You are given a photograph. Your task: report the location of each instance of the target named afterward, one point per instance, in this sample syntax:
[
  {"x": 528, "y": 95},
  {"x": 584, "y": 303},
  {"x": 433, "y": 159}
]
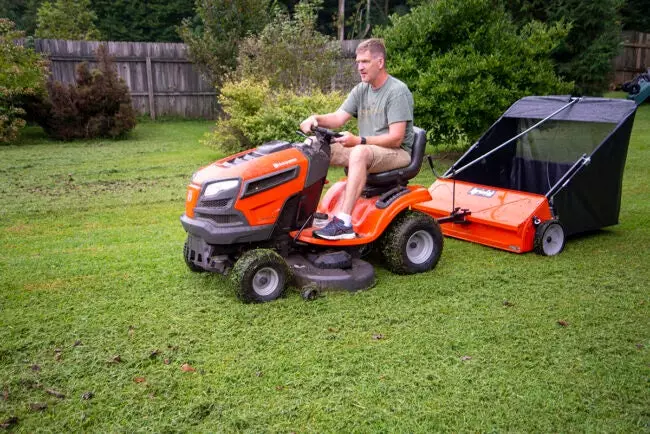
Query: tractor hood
[{"x": 249, "y": 165}]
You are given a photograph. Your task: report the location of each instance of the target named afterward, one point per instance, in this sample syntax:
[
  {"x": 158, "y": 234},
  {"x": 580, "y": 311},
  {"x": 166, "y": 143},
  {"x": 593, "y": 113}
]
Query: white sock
[{"x": 346, "y": 218}]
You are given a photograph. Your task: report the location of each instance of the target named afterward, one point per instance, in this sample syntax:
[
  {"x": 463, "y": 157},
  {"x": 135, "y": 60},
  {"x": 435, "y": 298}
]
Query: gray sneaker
[{"x": 335, "y": 230}]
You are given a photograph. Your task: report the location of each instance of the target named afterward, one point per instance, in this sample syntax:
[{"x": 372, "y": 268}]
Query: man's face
[{"x": 368, "y": 66}]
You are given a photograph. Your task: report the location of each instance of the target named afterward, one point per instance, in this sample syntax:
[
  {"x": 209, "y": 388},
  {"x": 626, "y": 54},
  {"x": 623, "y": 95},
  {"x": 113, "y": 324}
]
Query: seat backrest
[{"x": 402, "y": 175}]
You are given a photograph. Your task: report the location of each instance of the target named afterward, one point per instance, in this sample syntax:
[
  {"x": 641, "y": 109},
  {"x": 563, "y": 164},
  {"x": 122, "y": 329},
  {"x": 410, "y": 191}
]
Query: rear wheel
[
  {"x": 259, "y": 275},
  {"x": 549, "y": 238},
  {"x": 412, "y": 244}
]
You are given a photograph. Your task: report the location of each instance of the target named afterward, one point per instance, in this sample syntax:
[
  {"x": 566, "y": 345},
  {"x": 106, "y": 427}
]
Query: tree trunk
[{"x": 341, "y": 20}]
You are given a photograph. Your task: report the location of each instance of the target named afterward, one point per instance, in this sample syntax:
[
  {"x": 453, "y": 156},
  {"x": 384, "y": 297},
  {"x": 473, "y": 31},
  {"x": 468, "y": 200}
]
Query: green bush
[
  {"x": 465, "y": 63},
  {"x": 97, "y": 105},
  {"x": 23, "y": 73},
  {"x": 290, "y": 52},
  {"x": 255, "y": 113}
]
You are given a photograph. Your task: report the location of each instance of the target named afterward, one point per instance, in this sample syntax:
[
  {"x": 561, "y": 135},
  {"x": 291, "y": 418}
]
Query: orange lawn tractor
[{"x": 251, "y": 215}]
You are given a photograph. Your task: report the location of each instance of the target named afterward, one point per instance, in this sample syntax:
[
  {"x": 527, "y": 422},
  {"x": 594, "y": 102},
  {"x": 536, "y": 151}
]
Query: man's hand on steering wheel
[
  {"x": 348, "y": 139},
  {"x": 307, "y": 125}
]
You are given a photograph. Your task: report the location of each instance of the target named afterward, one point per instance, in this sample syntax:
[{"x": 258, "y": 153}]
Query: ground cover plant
[{"x": 103, "y": 328}]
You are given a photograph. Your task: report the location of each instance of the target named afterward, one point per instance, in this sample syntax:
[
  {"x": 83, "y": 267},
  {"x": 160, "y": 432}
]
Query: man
[{"x": 383, "y": 106}]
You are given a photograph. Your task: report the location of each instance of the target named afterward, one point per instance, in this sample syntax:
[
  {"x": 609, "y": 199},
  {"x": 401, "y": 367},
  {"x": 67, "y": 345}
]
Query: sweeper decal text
[{"x": 483, "y": 192}]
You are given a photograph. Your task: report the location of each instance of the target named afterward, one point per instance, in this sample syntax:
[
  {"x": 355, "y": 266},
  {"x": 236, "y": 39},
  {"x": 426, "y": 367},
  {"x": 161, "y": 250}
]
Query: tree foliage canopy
[
  {"x": 290, "y": 52},
  {"x": 585, "y": 55},
  {"x": 214, "y": 37},
  {"x": 67, "y": 19}
]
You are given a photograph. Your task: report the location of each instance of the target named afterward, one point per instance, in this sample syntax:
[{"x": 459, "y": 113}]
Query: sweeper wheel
[
  {"x": 549, "y": 238},
  {"x": 412, "y": 244},
  {"x": 259, "y": 275}
]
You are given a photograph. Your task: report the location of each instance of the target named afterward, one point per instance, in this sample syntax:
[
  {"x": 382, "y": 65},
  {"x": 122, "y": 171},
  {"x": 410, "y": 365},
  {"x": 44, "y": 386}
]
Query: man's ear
[{"x": 382, "y": 61}]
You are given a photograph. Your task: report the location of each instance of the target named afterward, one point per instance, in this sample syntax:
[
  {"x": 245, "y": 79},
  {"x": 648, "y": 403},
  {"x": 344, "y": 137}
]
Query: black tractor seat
[{"x": 382, "y": 182}]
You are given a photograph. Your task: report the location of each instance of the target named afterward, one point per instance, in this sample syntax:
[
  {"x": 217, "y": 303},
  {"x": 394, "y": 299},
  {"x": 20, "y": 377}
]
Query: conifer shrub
[{"x": 97, "y": 105}]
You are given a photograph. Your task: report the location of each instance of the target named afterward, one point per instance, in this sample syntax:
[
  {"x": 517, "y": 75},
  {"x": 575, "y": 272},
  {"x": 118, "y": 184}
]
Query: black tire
[
  {"x": 549, "y": 238},
  {"x": 412, "y": 244},
  {"x": 259, "y": 275},
  {"x": 191, "y": 265}
]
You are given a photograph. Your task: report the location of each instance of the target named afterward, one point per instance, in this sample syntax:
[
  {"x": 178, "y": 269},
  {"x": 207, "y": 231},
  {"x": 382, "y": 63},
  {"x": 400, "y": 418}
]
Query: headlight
[{"x": 217, "y": 187}]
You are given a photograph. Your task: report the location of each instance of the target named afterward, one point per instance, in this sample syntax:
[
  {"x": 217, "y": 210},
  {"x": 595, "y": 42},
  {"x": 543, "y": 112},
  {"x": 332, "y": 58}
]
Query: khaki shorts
[{"x": 383, "y": 159}]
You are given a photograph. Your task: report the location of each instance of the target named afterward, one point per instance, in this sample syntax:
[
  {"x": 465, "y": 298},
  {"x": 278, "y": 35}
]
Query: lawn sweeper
[{"x": 550, "y": 167}]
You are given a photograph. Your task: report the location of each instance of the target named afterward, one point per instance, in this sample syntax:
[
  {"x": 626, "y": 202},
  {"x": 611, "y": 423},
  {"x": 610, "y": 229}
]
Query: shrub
[
  {"x": 465, "y": 63},
  {"x": 98, "y": 105},
  {"x": 290, "y": 52},
  {"x": 23, "y": 73},
  {"x": 255, "y": 113}
]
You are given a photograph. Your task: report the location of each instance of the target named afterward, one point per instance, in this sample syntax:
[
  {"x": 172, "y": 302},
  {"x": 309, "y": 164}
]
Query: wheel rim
[
  {"x": 553, "y": 240},
  {"x": 265, "y": 281},
  {"x": 419, "y": 247}
]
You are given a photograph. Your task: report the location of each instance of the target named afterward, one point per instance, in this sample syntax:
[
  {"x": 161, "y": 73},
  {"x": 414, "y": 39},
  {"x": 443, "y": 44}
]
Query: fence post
[{"x": 152, "y": 111}]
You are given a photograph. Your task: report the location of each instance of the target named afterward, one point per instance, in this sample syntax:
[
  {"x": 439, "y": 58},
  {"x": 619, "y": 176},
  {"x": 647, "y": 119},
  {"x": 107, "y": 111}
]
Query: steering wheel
[{"x": 326, "y": 133}]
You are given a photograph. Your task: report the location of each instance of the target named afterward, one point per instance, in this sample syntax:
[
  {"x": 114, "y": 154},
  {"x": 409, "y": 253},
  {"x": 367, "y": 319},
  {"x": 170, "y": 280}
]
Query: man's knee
[{"x": 360, "y": 154}]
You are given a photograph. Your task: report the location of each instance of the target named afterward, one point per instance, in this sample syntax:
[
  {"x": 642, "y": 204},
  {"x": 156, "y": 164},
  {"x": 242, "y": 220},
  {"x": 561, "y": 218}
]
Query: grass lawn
[{"x": 99, "y": 315}]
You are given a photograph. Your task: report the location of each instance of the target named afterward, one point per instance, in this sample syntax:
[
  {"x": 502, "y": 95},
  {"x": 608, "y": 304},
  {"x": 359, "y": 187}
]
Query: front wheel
[
  {"x": 259, "y": 275},
  {"x": 412, "y": 244},
  {"x": 549, "y": 238}
]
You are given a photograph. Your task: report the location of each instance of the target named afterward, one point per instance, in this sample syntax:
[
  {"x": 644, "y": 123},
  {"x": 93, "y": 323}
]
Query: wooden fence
[
  {"x": 160, "y": 77},
  {"x": 634, "y": 58}
]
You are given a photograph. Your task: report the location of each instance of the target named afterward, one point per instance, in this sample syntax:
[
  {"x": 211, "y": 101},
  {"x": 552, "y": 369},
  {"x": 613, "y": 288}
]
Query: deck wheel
[{"x": 549, "y": 238}]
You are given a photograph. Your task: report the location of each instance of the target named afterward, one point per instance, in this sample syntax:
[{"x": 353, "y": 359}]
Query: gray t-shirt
[{"x": 376, "y": 109}]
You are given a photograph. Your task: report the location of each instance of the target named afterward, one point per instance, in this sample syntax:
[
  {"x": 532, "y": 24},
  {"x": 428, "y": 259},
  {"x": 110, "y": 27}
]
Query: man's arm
[
  {"x": 393, "y": 139},
  {"x": 330, "y": 120}
]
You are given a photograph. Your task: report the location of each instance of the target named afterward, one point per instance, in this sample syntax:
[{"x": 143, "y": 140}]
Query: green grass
[{"x": 91, "y": 268}]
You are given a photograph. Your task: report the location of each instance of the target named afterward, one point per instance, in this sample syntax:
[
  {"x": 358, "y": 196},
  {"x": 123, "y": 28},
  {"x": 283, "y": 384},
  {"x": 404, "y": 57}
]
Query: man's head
[{"x": 371, "y": 58}]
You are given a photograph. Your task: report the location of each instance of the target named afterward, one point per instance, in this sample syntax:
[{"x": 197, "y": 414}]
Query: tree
[
  {"x": 465, "y": 62},
  {"x": 635, "y": 15},
  {"x": 67, "y": 19},
  {"x": 214, "y": 36},
  {"x": 152, "y": 20},
  {"x": 585, "y": 56},
  {"x": 23, "y": 73},
  {"x": 290, "y": 52},
  {"x": 22, "y": 13}
]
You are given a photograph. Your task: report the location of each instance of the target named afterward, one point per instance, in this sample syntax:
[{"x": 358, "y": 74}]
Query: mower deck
[
  {"x": 353, "y": 276},
  {"x": 496, "y": 217}
]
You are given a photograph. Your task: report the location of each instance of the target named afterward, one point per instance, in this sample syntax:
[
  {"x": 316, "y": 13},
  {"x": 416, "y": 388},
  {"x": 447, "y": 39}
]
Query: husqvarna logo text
[{"x": 284, "y": 163}]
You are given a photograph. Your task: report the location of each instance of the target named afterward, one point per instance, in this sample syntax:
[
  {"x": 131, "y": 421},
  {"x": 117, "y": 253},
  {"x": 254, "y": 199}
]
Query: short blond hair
[{"x": 375, "y": 46}]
